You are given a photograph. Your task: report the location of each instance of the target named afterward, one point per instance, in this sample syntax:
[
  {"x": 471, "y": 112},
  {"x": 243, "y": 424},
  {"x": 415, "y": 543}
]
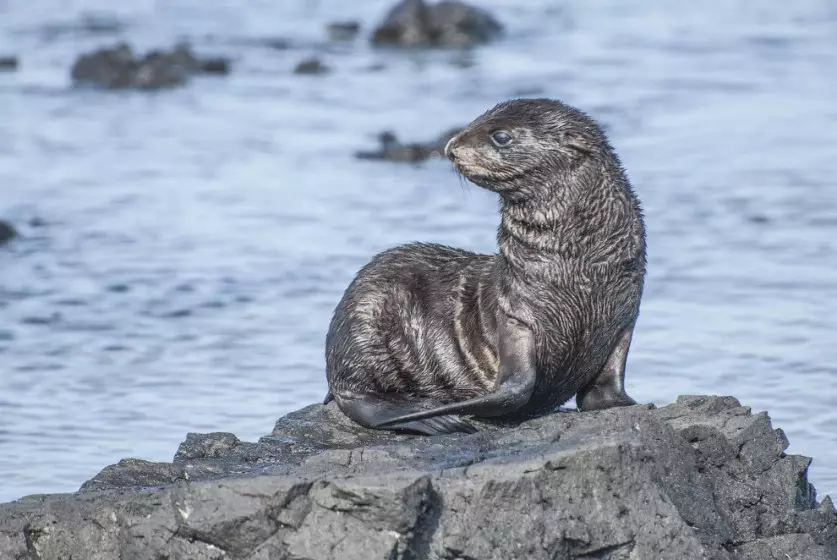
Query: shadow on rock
[
  {"x": 7, "y": 232},
  {"x": 450, "y": 23},
  {"x": 703, "y": 477},
  {"x": 392, "y": 150},
  {"x": 118, "y": 67}
]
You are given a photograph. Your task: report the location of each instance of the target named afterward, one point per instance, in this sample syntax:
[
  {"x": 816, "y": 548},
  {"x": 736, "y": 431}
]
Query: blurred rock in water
[
  {"x": 215, "y": 65},
  {"x": 393, "y": 150},
  {"x": 8, "y": 63},
  {"x": 449, "y": 23},
  {"x": 118, "y": 67},
  {"x": 343, "y": 30},
  {"x": 7, "y": 232},
  {"x": 311, "y": 65}
]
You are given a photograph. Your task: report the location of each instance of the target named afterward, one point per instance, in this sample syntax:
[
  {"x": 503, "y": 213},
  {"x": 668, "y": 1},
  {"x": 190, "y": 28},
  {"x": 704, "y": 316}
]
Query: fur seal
[{"x": 426, "y": 332}]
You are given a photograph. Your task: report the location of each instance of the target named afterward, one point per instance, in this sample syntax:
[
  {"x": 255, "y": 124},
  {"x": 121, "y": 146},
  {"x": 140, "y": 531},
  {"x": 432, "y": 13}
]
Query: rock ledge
[{"x": 700, "y": 478}]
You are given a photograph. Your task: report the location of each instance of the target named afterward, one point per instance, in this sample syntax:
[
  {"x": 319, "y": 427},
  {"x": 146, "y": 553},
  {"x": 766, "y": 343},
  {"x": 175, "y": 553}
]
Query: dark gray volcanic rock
[
  {"x": 701, "y": 478},
  {"x": 343, "y": 30},
  {"x": 449, "y": 23},
  {"x": 8, "y": 63},
  {"x": 118, "y": 67},
  {"x": 311, "y": 66},
  {"x": 7, "y": 232}
]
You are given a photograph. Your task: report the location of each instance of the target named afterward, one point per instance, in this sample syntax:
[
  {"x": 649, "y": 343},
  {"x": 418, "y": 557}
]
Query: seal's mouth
[
  {"x": 476, "y": 175},
  {"x": 461, "y": 162},
  {"x": 465, "y": 165},
  {"x": 467, "y": 171}
]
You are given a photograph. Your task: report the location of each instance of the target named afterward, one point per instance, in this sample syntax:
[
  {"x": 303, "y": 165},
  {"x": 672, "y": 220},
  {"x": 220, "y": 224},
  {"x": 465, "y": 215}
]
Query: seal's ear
[{"x": 575, "y": 141}]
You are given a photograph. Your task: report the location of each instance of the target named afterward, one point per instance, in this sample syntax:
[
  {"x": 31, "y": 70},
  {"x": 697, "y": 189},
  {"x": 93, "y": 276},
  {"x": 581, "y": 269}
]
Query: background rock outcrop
[
  {"x": 8, "y": 62},
  {"x": 391, "y": 149},
  {"x": 7, "y": 232},
  {"x": 700, "y": 478},
  {"x": 118, "y": 67},
  {"x": 449, "y": 23}
]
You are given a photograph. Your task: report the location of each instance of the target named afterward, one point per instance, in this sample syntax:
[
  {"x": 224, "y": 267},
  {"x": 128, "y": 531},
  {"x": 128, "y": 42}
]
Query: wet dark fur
[{"x": 419, "y": 322}]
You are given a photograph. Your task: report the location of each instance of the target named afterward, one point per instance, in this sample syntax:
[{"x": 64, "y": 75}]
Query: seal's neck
[{"x": 565, "y": 218}]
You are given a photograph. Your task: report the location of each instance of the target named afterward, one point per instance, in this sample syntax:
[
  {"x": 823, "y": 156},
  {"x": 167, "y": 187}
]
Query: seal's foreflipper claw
[{"x": 380, "y": 411}]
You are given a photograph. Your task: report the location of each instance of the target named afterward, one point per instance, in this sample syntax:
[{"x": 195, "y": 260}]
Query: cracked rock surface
[{"x": 700, "y": 478}]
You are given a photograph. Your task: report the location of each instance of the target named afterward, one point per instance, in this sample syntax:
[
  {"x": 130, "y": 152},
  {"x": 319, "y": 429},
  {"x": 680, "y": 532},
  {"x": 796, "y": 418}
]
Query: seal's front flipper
[
  {"x": 514, "y": 385},
  {"x": 329, "y": 397},
  {"x": 607, "y": 390},
  {"x": 380, "y": 410}
]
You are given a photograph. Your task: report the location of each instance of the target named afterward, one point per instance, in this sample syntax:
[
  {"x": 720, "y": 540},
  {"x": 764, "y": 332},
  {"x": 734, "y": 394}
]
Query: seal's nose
[{"x": 449, "y": 148}]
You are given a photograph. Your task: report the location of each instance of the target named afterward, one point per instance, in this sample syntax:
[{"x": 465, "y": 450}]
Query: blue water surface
[{"x": 182, "y": 251}]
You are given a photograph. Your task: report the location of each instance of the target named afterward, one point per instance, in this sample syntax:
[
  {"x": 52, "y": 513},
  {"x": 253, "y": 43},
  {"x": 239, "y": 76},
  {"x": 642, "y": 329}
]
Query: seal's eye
[{"x": 501, "y": 138}]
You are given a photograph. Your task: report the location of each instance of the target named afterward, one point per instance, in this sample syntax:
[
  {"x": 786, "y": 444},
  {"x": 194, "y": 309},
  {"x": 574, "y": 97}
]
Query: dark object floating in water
[
  {"x": 343, "y": 30},
  {"x": 215, "y": 65},
  {"x": 276, "y": 43},
  {"x": 7, "y": 232},
  {"x": 450, "y": 23},
  {"x": 393, "y": 150},
  {"x": 8, "y": 63},
  {"x": 117, "y": 67},
  {"x": 703, "y": 477},
  {"x": 87, "y": 24},
  {"x": 311, "y": 66}
]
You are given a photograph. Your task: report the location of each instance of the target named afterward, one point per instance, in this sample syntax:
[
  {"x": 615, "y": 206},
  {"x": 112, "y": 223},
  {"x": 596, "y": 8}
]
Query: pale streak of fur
[
  {"x": 461, "y": 337},
  {"x": 490, "y": 357}
]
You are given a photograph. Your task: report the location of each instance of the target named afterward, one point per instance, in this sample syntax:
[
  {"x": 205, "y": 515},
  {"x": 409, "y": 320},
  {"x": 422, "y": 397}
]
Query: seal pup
[{"x": 426, "y": 332}]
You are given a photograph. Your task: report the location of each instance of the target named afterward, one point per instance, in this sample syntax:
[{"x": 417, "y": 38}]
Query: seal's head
[{"x": 517, "y": 146}]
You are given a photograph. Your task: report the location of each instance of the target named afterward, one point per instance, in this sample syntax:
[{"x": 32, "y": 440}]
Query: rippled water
[{"x": 189, "y": 246}]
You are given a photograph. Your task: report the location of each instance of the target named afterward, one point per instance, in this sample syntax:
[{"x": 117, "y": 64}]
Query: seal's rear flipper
[
  {"x": 435, "y": 426},
  {"x": 504, "y": 400},
  {"x": 374, "y": 409}
]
